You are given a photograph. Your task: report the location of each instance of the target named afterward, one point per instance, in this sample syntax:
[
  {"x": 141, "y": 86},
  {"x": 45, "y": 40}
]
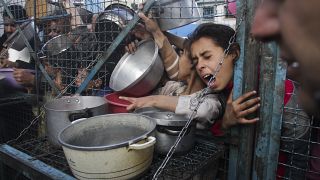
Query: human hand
[
  {"x": 236, "y": 111},
  {"x": 131, "y": 47},
  {"x": 136, "y": 103},
  {"x": 5, "y": 63},
  {"x": 151, "y": 24},
  {"x": 24, "y": 76},
  {"x": 140, "y": 32}
]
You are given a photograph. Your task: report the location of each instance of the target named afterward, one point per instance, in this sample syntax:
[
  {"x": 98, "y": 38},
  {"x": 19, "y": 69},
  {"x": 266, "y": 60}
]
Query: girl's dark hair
[{"x": 220, "y": 34}]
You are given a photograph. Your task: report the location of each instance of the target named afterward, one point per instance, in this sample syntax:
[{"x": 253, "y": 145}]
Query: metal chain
[{"x": 200, "y": 100}]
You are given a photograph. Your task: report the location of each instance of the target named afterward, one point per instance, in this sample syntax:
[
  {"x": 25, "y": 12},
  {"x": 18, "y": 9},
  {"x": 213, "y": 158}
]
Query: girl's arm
[{"x": 165, "y": 102}]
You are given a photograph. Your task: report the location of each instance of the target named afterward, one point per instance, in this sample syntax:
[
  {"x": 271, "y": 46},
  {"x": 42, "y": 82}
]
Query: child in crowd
[{"x": 212, "y": 38}]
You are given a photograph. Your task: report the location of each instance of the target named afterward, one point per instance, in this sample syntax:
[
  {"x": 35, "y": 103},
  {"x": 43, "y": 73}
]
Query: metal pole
[
  {"x": 273, "y": 72},
  {"x": 245, "y": 80}
]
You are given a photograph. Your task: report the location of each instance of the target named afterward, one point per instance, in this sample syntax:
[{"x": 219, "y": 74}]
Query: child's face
[{"x": 207, "y": 55}]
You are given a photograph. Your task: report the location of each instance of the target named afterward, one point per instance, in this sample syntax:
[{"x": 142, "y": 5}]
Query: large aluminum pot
[
  {"x": 169, "y": 125},
  {"x": 112, "y": 146},
  {"x": 61, "y": 112},
  {"x": 137, "y": 74},
  {"x": 176, "y": 13}
]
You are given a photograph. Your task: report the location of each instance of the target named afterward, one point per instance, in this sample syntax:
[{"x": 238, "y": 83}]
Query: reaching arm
[
  {"x": 158, "y": 101},
  {"x": 169, "y": 56}
]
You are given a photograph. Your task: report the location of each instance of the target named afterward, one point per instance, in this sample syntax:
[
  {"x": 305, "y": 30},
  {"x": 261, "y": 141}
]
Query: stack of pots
[{"x": 62, "y": 112}]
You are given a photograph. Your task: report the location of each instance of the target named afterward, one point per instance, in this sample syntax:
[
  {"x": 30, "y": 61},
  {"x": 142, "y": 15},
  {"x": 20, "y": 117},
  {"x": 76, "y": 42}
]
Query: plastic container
[{"x": 116, "y": 105}]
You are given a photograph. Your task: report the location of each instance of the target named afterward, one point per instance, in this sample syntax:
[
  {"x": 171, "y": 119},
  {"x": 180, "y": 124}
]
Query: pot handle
[
  {"x": 171, "y": 132},
  {"x": 75, "y": 116},
  {"x": 77, "y": 120},
  {"x": 150, "y": 142}
]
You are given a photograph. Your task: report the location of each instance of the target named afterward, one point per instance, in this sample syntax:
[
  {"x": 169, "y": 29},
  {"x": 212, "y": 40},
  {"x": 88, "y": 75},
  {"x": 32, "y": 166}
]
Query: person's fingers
[
  {"x": 127, "y": 49},
  {"x": 130, "y": 107},
  {"x": 143, "y": 17},
  {"x": 248, "y": 121},
  {"x": 134, "y": 47},
  {"x": 245, "y": 96},
  {"x": 127, "y": 99},
  {"x": 249, "y": 103},
  {"x": 248, "y": 111}
]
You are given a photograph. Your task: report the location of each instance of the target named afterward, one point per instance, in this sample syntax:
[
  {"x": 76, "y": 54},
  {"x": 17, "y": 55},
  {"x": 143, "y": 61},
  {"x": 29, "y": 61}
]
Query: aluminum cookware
[
  {"x": 139, "y": 73},
  {"x": 61, "y": 112},
  {"x": 176, "y": 13},
  {"x": 169, "y": 125},
  {"x": 57, "y": 45},
  {"x": 112, "y": 146}
]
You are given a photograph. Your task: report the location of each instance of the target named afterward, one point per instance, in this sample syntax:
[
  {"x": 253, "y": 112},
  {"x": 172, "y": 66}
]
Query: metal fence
[{"x": 73, "y": 48}]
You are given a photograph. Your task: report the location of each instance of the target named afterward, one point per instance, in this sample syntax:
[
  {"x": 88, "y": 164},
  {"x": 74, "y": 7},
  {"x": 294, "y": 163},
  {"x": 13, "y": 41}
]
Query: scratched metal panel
[
  {"x": 272, "y": 77},
  {"x": 245, "y": 80}
]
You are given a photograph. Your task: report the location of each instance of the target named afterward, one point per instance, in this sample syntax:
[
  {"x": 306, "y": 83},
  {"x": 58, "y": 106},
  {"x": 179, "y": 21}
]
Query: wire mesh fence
[{"x": 69, "y": 38}]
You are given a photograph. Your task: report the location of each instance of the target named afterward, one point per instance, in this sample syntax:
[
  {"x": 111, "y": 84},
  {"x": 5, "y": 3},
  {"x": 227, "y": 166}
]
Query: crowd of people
[{"x": 201, "y": 71}]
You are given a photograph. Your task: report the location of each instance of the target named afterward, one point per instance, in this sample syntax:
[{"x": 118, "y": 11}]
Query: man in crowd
[
  {"x": 21, "y": 73},
  {"x": 294, "y": 24}
]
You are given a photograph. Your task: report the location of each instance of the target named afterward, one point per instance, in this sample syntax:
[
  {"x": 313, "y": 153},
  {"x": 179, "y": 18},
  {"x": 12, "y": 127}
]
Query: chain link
[{"x": 200, "y": 100}]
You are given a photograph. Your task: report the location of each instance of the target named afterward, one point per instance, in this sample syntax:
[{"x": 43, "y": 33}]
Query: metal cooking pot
[
  {"x": 112, "y": 146},
  {"x": 176, "y": 13},
  {"x": 61, "y": 112},
  {"x": 169, "y": 125},
  {"x": 120, "y": 15},
  {"x": 137, "y": 74},
  {"x": 57, "y": 45},
  {"x": 146, "y": 110}
]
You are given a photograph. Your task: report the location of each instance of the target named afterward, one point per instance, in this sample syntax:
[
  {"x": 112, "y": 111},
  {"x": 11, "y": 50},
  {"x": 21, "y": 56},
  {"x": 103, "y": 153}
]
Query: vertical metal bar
[
  {"x": 245, "y": 80},
  {"x": 273, "y": 72},
  {"x": 113, "y": 46},
  {"x": 31, "y": 51}
]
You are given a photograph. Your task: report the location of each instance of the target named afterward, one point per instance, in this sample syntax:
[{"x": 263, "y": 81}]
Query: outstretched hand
[
  {"x": 136, "y": 103},
  {"x": 236, "y": 111}
]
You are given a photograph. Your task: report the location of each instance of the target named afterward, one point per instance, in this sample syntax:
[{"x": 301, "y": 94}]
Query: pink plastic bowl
[{"x": 116, "y": 105}]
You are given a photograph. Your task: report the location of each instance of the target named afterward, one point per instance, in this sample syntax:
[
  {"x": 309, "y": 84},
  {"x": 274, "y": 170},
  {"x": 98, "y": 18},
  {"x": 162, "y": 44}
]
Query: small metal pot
[
  {"x": 169, "y": 125},
  {"x": 61, "y": 112},
  {"x": 57, "y": 45}
]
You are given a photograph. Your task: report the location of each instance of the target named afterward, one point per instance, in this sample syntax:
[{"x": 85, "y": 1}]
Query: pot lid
[{"x": 167, "y": 118}]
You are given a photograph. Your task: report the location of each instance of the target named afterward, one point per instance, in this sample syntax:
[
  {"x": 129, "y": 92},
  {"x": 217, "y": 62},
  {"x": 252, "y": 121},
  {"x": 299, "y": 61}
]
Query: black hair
[
  {"x": 18, "y": 12},
  {"x": 219, "y": 33}
]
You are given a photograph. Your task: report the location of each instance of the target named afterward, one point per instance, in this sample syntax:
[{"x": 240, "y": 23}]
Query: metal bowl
[{"x": 137, "y": 74}]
